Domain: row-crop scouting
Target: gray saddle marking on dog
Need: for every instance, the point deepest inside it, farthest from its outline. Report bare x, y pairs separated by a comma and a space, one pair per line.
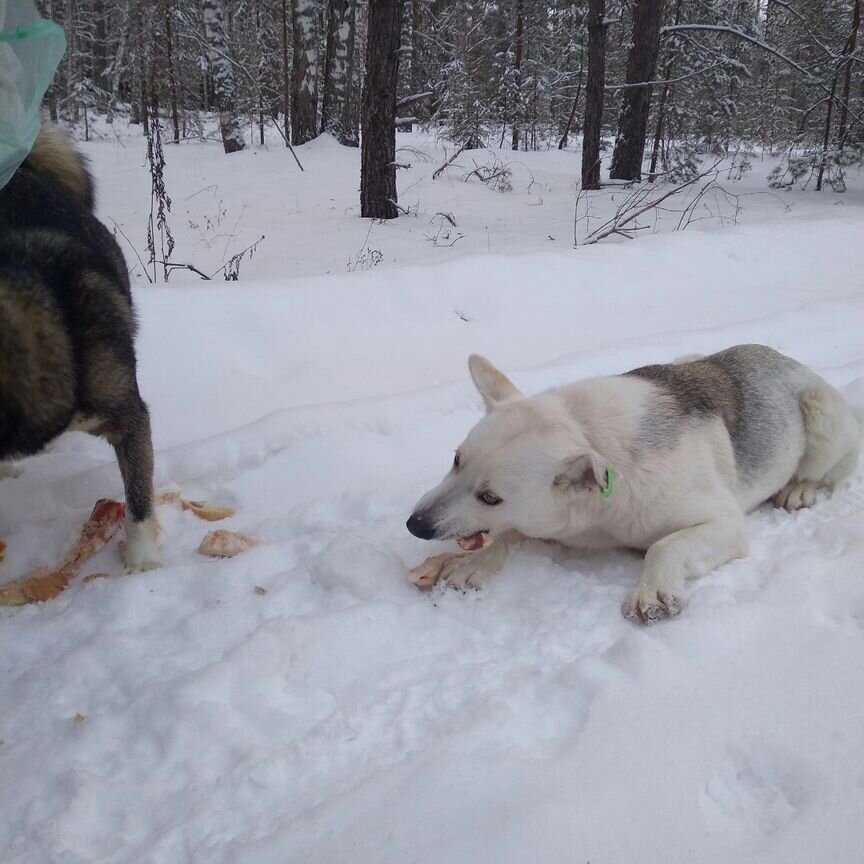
748, 387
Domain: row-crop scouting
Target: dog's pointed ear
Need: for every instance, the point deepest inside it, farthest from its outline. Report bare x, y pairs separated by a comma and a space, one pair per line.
586, 471
494, 386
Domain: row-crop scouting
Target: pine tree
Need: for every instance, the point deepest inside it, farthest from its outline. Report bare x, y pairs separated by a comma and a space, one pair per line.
641, 66
594, 94
378, 116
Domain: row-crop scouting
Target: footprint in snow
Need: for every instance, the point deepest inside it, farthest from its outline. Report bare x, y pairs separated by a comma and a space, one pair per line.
757, 792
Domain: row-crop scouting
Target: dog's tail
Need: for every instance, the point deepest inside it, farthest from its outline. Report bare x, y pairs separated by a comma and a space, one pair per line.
54, 156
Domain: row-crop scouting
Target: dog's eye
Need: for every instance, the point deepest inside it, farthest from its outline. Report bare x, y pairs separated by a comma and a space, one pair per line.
489, 498
456, 460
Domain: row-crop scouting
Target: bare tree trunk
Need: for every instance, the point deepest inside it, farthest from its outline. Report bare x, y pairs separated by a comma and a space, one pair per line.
99, 44
134, 102
70, 26
661, 108
641, 66
355, 77
144, 59
517, 66
51, 99
350, 131
304, 76
593, 120
335, 108
259, 70
145, 108
378, 117
826, 138
848, 50
117, 66
46, 10
172, 75
658, 133
286, 81
568, 125
406, 56
223, 77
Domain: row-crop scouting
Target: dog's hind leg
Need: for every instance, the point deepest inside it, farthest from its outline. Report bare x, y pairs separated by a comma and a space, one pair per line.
832, 444
134, 447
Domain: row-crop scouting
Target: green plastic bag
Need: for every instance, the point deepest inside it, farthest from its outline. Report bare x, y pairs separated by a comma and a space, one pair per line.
30, 50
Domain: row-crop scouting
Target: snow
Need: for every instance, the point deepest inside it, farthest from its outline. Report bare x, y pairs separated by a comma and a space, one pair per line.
338, 714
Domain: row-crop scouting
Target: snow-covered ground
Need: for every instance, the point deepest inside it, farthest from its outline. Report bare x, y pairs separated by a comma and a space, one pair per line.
338, 715
310, 219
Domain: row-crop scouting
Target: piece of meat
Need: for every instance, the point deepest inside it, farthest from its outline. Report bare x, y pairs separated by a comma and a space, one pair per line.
226, 544
427, 574
203, 510
480, 540
46, 583
107, 516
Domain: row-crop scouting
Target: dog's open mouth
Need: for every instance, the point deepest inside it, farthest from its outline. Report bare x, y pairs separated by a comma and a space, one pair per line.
475, 541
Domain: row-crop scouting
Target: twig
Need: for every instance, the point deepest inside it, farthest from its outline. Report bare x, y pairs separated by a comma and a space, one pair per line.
232, 236
171, 265
399, 207
661, 81
203, 189
359, 252
132, 247
231, 268
439, 171
638, 203
410, 100
420, 155
288, 145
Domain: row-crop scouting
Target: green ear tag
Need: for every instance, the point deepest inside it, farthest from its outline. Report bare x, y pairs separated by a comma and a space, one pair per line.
610, 483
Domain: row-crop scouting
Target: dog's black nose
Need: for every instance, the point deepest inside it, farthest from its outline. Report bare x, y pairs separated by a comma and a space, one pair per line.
419, 527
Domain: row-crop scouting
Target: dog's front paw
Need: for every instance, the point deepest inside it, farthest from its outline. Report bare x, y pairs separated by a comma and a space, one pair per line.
142, 545
464, 572
648, 604
138, 560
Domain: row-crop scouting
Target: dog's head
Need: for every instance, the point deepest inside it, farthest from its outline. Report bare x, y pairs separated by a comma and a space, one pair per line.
525, 466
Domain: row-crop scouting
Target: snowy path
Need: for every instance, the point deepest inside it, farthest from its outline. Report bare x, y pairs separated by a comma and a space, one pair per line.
343, 717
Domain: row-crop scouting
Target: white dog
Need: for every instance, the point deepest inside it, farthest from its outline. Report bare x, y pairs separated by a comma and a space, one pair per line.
666, 459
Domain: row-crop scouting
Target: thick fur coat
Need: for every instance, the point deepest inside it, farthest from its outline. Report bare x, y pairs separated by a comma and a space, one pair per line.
667, 459
67, 329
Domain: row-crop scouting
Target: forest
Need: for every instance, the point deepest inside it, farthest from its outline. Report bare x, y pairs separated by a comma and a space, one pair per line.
648, 86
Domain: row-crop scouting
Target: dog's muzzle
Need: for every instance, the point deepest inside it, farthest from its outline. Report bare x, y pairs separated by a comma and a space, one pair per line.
420, 526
